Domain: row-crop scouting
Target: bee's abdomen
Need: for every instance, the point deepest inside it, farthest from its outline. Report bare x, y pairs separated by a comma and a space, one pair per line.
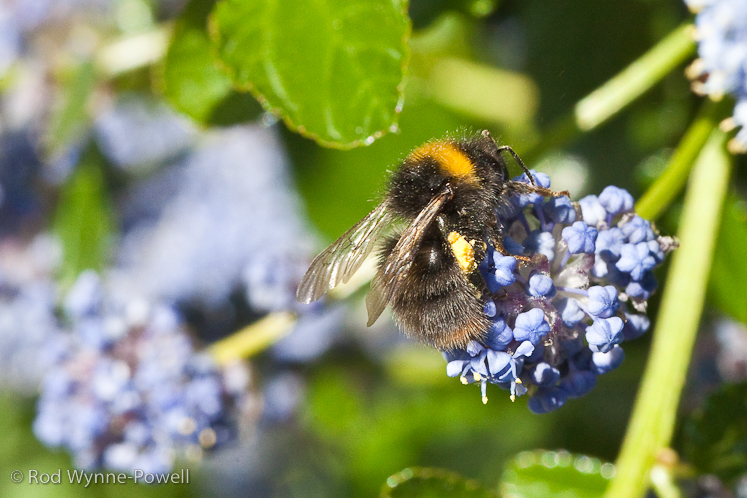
435, 302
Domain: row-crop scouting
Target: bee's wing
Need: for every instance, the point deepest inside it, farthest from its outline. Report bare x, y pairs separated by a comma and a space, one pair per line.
386, 281
337, 263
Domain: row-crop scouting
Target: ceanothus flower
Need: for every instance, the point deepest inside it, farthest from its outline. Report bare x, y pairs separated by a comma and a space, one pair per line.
129, 391
604, 334
580, 237
562, 303
721, 31
531, 326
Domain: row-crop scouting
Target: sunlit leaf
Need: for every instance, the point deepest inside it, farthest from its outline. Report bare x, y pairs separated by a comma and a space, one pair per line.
332, 70
546, 474
432, 483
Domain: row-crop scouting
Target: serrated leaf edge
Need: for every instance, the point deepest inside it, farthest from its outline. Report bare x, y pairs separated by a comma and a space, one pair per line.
213, 32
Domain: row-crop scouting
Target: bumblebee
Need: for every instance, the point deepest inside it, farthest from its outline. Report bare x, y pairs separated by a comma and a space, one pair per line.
448, 192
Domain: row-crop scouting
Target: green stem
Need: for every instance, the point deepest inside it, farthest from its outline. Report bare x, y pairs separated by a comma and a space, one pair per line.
253, 338
663, 482
634, 80
607, 100
652, 423
660, 194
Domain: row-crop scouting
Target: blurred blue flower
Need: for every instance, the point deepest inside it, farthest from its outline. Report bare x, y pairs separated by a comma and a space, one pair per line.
232, 219
721, 31
30, 338
138, 396
136, 133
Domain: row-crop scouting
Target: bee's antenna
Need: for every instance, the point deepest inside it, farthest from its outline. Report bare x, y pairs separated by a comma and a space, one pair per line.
518, 160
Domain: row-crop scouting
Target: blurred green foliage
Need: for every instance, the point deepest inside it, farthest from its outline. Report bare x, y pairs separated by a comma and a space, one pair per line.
544, 474
84, 221
715, 437
729, 272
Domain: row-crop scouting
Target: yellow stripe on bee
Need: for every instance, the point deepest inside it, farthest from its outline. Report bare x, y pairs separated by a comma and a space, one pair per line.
449, 157
463, 252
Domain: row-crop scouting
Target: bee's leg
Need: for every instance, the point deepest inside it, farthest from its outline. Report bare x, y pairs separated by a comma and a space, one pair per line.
518, 188
534, 188
496, 240
546, 192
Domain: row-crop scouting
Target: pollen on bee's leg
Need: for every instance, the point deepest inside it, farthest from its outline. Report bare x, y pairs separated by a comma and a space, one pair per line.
463, 252
477, 376
463, 380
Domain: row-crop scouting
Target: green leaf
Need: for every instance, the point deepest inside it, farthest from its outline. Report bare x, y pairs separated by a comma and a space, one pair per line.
192, 81
540, 474
70, 118
728, 283
84, 220
332, 70
432, 483
715, 439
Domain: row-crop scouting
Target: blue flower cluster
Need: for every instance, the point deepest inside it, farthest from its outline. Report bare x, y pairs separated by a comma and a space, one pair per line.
29, 329
129, 392
572, 288
721, 31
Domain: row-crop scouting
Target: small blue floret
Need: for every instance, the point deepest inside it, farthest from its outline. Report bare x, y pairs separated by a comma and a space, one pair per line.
635, 259
489, 308
559, 210
578, 383
604, 333
616, 200
523, 200
609, 243
605, 362
541, 286
541, 243
603, 301
644, 288
531, 326
580, 238
635, 326
500, 335
592, 210
570, 312
638, 230
545, 375
546, 400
